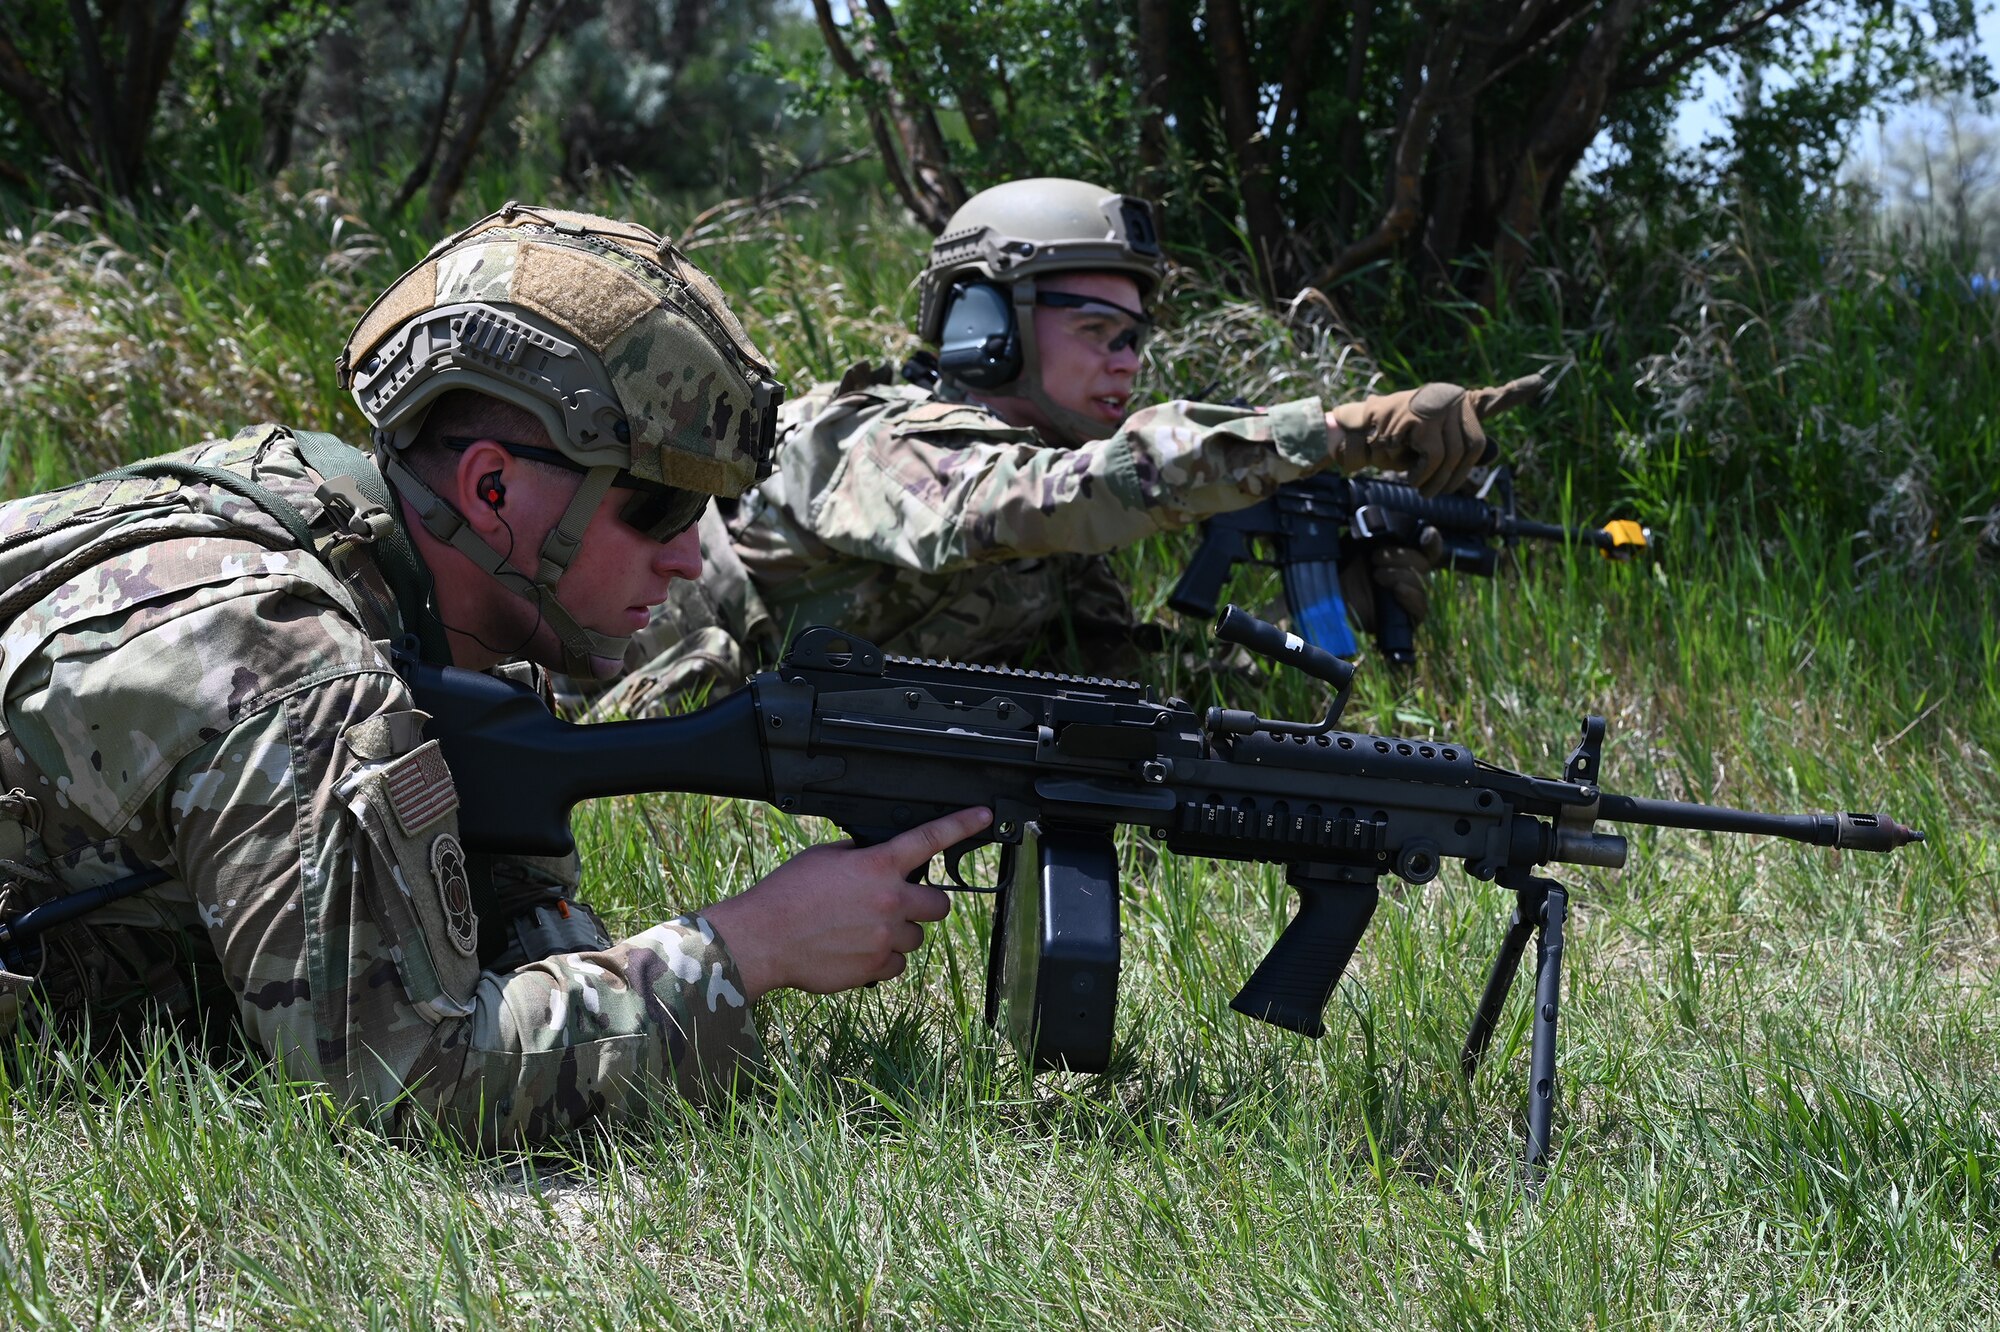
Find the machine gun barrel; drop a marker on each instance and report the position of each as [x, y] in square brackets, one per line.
[1852, 832]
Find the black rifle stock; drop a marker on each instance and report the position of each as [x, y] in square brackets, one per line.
[880, 744]
[1312, 526]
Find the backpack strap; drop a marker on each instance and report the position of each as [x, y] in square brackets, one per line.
[406, 576]
[280, 511]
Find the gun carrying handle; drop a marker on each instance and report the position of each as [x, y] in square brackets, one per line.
[1292, 984]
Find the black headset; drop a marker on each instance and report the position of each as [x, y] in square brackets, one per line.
[981, 342]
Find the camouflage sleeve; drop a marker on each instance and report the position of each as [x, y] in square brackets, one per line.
[957, 489]
[323, 856]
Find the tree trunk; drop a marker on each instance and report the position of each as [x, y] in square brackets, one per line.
[1301, 64]
[434, 136]
[1402, 212]
[1562, 128]
[1154, 29]
[922, 207]
[930, 158]
[1248, 143]
[104, 133]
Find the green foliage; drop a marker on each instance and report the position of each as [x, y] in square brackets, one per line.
[1302, 141]
[1056, 74]
[242, 69]
[133, 97]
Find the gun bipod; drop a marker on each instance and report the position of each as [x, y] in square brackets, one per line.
[1541, 906]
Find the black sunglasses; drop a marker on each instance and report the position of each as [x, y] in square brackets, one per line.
[662, 512]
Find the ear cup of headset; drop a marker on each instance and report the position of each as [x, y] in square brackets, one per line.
[980, 345]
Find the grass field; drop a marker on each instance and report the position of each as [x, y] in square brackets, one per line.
[1780, 1102]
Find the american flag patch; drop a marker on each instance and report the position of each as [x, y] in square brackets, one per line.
[420, 789]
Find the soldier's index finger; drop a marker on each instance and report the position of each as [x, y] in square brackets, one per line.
[1487, 401]
[908, 850]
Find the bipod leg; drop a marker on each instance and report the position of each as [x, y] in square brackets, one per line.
[1499, 981]
[1542, 1051]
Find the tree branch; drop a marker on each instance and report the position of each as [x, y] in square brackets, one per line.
[1152, 20]
[500, 79]
[43, 107]
[846, 62]
[1360, 25]
[1567, 119]
[421, 172]
[1644, 76]
[941, 183]
[1404, 209]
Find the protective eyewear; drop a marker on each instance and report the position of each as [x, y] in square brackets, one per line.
[1132, 335]
[659, 511]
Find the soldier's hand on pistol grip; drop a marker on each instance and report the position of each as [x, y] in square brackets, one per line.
[1404, 571]
[1432, 434]
[839, 916]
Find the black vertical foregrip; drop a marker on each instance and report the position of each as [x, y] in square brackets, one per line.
[1394, 633]
[1292, 984]
[1200, 586]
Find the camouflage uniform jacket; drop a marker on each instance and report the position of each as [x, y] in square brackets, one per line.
[933, 528]
[186, 689]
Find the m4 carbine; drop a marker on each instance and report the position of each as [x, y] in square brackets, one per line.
[880, 744]
[1313, 526]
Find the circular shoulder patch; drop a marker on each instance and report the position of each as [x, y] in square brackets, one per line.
[455, 891]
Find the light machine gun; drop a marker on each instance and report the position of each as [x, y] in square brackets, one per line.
[1313, 526]
[880, 744]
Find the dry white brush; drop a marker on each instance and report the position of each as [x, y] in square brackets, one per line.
[1221, 347]
[1858, 382]
[115, 349]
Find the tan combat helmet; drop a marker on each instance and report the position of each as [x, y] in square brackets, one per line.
[1014, 233]
[607, 333]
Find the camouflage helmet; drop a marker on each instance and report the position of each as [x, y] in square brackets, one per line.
[1044, 224]
[601, 328]
[605, 332]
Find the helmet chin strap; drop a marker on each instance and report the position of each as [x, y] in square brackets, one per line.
[447, 524]
[1073, 426]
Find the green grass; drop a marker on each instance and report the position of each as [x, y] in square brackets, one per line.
[1780, 1102]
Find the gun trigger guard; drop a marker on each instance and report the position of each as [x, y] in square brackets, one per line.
[955, 856]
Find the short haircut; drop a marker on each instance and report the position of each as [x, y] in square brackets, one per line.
[470, 414]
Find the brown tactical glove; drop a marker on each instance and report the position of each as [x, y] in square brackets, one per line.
[1404, 571]
[1431, 433]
